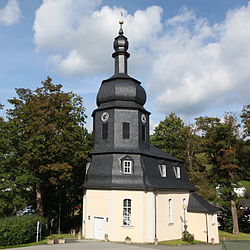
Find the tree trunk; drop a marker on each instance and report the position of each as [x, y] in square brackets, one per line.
[39, 204]
[234, 217]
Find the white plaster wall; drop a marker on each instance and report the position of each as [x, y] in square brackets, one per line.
[165, 229]
[201, 224]
[109, 204]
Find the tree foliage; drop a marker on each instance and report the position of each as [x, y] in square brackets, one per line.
[220, 138]
[245, 115]
[168, 135]
[51, 144]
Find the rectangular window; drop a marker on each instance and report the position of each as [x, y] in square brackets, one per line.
[125, 130]
[213, 219]
[170, 211]
[126, 212]
[143, 132]
[184, 206]
[105, 131]
[127, 167]
[177, 172]
[163, 170]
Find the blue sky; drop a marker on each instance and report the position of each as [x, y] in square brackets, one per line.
[192, 56]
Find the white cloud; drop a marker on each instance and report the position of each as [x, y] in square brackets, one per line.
[198, 66]
[80, 42]
[11, 13]
[187, 63]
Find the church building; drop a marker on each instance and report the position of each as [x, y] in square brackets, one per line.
[133, 189]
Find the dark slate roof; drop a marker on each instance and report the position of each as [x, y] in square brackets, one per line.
[199, 205]
[245, 203]
[156, 152]
[121, 88]
[151, 151]
[107, 174]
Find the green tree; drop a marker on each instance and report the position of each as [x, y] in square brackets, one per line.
[15, 182]
[245, 116]
[183, 142]
[52, 144]
[220, 139]
[244, 149]
[168, 135]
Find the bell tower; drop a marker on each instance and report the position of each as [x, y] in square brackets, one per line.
[120, 122]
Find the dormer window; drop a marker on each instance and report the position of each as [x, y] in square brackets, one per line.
[127, 165]
[163, 170]
[177, 172]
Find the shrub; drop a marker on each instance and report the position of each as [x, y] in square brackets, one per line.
[188, 237]
[19, 230]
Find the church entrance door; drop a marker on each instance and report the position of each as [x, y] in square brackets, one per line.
[99, 228]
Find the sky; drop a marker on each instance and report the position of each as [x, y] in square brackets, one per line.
[192, 56]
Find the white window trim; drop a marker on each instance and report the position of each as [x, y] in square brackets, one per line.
[177, 172]
[127, 169]
[213, 219]
[163, 170]
[129, 216]
[170, 212]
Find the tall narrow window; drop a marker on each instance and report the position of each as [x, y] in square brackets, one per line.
[143, 132]
[170, 211]
[125, 130]
[213, 219]
[105, 131]
[126, 212]
[184, 206]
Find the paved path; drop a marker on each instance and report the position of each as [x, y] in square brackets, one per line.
[99, 245]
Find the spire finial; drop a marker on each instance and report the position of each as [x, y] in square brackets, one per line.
[121, 22]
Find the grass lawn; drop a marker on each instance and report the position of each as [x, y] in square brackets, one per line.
[25, 245]
[65, 236]
[178, 242]
[229, 236]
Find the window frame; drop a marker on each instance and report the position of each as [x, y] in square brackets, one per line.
[125, 130]
[144, 134]
[170, 212]
[163, 170]
[177, 172]
[127, 168]
[105, 129]
[127, 212]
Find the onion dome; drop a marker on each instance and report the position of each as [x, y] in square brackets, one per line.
[121, 90]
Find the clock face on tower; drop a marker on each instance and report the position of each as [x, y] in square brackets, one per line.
[105, 116]
[143, 118]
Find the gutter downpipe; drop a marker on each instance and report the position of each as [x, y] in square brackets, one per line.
[207, 227]
[155, 239]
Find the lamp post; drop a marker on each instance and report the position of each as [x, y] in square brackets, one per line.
[184, 215]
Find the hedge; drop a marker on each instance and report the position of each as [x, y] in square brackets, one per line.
[19, 230]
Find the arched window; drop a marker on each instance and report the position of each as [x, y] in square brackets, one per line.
[126, 212]
[170, 211]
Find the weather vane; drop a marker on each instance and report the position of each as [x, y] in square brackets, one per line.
[121, 22]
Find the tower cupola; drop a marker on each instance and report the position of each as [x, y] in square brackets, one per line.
[121, 90]
[121, 55]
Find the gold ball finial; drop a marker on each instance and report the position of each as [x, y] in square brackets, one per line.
[121, 22]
